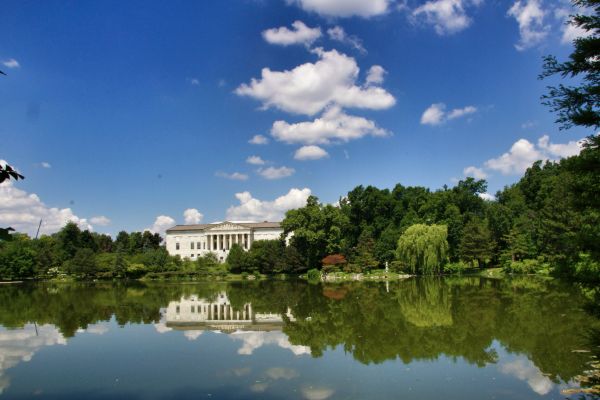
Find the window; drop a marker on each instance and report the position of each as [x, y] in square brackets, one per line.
[177, 246]
[198, 246]
[192, 245]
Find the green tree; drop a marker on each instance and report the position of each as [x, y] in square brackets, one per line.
[237, 259]
[423, 248]
[122, 242]
[83, 264]
[17, 260]
[476, 243]
[69, 240]
[363, 255]
[578, 105]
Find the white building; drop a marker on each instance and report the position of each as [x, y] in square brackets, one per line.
[193, 241]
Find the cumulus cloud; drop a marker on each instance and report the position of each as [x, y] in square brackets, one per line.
[45, 164]
[23, 211]
[344, 8]
[311, 87]
[255, 160]
[338, 34]
[252, 209]
[375, 75]
[333, 126]
[276, 172]
[487, 196]
[259, 139]
[530, 17]
[276, 373]
[436, 114]
[20, 345]
[299, 34]
[100, 220]
[446, 16]
[161, 224]
[526, 371]
[11, 63]
[475, 172]
[234, 176]
[255, 340]
[523, 153]
[316, 393]
[570, 31]
[310, 153]
[192, 216]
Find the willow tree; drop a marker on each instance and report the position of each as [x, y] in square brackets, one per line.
[423, 248]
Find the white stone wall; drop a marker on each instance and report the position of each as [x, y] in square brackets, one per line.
[186, 238]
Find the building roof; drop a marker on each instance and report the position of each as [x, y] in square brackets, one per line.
[202, 227]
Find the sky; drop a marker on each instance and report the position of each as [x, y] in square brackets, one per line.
[144, 114]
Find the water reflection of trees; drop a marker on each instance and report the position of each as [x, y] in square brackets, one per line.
[418, 319]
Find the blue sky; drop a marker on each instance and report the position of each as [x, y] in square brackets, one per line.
[134, 110]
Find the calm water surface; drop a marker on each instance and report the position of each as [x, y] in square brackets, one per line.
[463, 338]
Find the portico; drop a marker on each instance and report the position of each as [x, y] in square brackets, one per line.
[193, 241]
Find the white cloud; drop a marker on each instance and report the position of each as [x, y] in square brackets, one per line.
[344, 8]
[300, 34]
[526, 371]
[338, 34]
[252, 209]
[20, 345]
[311, 87]
[11, 63]
[100, 220]
[234, 176]
[530, 17]
[255, 160]
[45, 164]
[310, 153]
[528, 124]
[446, 16]
[317, 393]
[23, 211]
[195, 82]
[475, 172]
[523, 153]
[557, 149]
[375, 75]
[193, 334]
[436, 114]
[570, 31]
[259, 139]
[192, 216]
[255, 340]
[161, 224]
[333, 126]
[276, 172]
[487, 196]
[461, 112]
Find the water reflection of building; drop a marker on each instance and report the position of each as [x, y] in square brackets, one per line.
[218, 314]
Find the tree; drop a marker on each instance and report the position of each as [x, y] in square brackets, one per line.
[578, 105]
[423, 248]
[7, 172]
[122, 242]
[83, 264]
[69, 240]
[363, 256]
[476, 243]
[238, 259]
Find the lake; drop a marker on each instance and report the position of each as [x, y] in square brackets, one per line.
[421, 338]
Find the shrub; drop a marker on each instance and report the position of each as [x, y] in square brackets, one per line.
[587, 269]
[313, 275]
[456, 268]
[529, 266]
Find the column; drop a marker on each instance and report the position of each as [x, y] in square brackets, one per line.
[230, 240]
[218, 242]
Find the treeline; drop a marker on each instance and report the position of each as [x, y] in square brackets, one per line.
[84, 254]
[549, 221]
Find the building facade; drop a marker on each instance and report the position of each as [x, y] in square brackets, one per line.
[193, 241]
